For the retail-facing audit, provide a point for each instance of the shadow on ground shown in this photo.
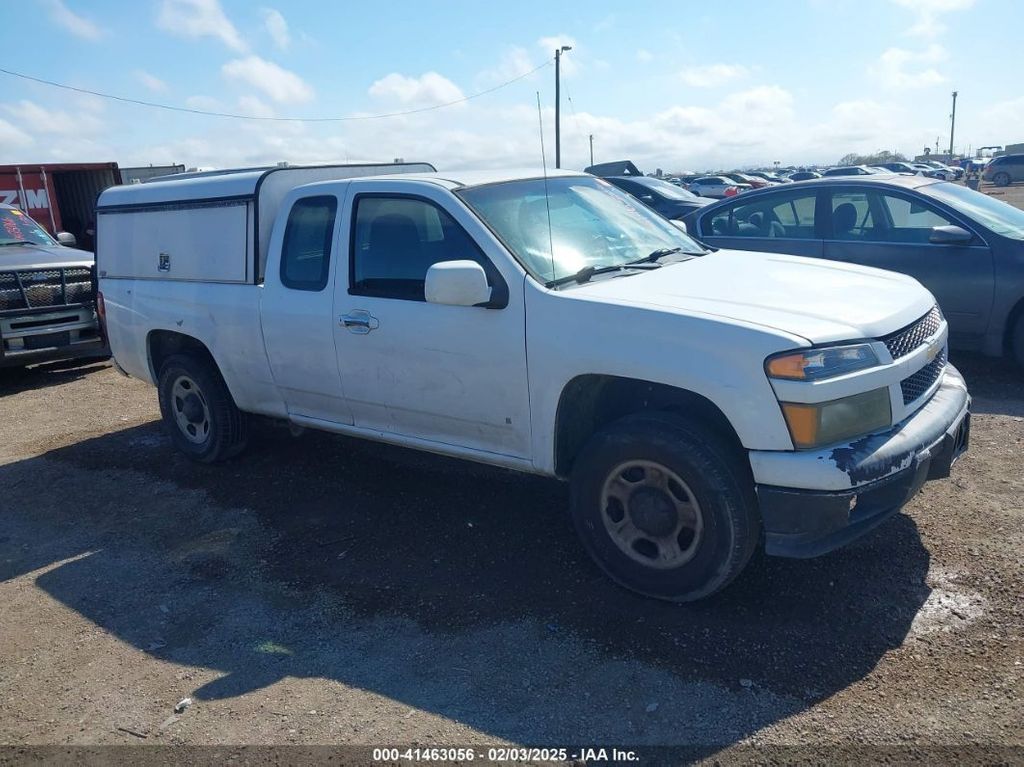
(453, 588)
(45, 374)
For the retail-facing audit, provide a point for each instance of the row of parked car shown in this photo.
(967, 248)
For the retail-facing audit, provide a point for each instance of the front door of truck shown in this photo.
(297, 311)
(446, 374)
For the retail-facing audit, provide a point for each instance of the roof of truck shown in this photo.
(457, 179)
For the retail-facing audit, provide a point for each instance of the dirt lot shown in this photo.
(320, 589)
(323, 590)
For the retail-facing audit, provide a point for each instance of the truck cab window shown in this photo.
(306, 252)
(395, 240)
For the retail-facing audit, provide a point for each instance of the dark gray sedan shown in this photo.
(965, 247)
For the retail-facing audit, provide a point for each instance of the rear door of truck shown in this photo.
(297, 304)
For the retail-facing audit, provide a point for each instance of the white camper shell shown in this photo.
(167, 229)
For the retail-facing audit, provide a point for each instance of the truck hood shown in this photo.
(821, 301)
(41, 257)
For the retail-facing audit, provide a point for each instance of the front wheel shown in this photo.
(665, 507)
(198, 411)
(1001, 179)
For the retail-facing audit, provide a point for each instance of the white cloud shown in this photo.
(766, 103)
(152, 82)
(898, 68)
(199, 18)
(644, 56)
(570, 59)
(1005, 113)
(36, 119)
(276, 82)
(277, 27)
(927, 14)
(254, 107)
(205, 103)
(712, 75)
(12, 137)
(515, 62)
(77, 25)
(427, 90)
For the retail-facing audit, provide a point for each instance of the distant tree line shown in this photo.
(878, 158)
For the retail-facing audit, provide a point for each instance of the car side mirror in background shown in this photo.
(950, 235)
(457, 283)
(680, 225)
(67, 239)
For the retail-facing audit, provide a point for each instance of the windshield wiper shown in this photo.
(587, 272)
(655, 255)
(660, 253)
(17, 242)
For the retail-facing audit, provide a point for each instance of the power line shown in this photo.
(207, 113)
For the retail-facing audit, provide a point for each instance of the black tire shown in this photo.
(715, 476)
(222, 431)
(1001, 179)
(1017, 340)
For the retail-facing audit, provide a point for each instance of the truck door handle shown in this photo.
(359, 321)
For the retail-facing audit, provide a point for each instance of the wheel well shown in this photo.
(590, 402)
(164, 343)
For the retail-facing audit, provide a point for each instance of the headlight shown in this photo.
(823, 423)
(816, 364)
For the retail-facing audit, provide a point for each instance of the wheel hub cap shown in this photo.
(652, 511)
(651, 514)
(191, 413)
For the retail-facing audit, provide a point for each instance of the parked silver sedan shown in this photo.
(717, 187)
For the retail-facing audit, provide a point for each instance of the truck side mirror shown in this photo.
(950, 235)
(457, 283)
(67, 239)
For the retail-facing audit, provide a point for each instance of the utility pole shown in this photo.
(558, 104)
(952, 127)
(591, 148)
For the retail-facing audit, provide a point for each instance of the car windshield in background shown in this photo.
(1001, 217)
(17, 228)
(665, 189)
(592, 224)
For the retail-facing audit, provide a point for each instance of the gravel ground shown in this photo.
(325, 590)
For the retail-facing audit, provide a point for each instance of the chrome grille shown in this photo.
(915, 385)
(41, 288)
(904, 341)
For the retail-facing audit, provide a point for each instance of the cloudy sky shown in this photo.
(680, 85)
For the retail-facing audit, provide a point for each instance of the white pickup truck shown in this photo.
(700, 402)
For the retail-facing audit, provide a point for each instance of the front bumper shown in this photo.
(49, 333)
(875, 475)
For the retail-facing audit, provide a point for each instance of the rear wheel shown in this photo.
(665, 507)
(198, 411)
(1001, 179)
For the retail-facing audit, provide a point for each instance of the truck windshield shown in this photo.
(17, 228)
(568, 223)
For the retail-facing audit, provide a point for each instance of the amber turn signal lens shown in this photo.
(803, 423)
(788, 366)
